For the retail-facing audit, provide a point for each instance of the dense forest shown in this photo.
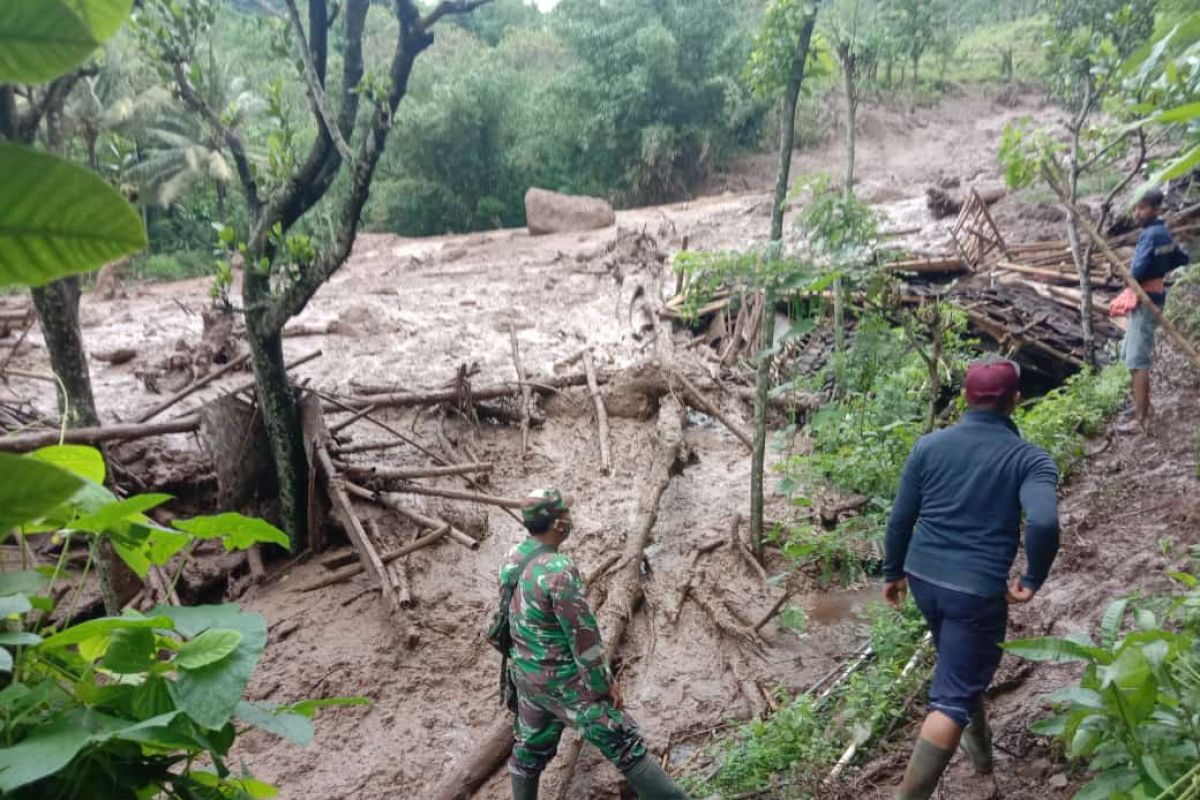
(776, 353)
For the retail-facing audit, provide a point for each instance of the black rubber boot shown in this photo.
(525, 788)
(651, 783)
(925, 769)
(977, 740)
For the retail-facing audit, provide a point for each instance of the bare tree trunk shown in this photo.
(1082, 259)
(787, 141)
(281, 419)
(57, 306)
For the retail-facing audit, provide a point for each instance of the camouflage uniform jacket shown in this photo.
(556, 643)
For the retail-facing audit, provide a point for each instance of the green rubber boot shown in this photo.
(651, 783)
(525, 788)
(925, 769)
(977, 741)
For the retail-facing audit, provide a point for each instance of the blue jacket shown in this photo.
(1156, 255)
(962, 491)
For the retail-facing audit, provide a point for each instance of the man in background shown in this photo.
(1155, 256)
(953, 534)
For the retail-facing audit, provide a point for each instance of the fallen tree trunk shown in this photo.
(457, 494)
(625, 592)
(698, 401)
(451, 395)
(99, 435)
(403, 474)
(393, 502)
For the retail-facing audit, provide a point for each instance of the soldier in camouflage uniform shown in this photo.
(557, 662)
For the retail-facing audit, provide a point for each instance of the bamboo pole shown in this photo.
(99, 435)
(526, 394)
(346, 574)
(408, 474)
(601, 413)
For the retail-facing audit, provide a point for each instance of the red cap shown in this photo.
(992, 382)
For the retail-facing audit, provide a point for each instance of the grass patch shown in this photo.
(175, 266)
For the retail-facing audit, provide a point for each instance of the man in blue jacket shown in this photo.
(1154, 257)
(952, 537)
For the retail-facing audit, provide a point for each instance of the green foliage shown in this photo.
(175, 266)
(798, 744)
(123, 707)
(776, 44)
(57, 219)
(43, 39)
(1134, 717)
(1004, 52)
(1060, 421)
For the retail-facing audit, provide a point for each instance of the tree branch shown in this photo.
(450, 7)
(233, 139)
(314, 79)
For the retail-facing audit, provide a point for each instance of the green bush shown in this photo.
(1134, 718)
(1062, 419)
(173, 266)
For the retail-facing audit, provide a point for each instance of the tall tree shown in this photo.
(779, 61)
(284, 268)
(1089, 38)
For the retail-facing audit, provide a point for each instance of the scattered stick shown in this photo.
(526, 393)
(432, 455)
(99, 435)
(346, 423)
(194, 387)
(342, 509)
(602, 570)
(365, 448)
(404, 474)
(45, 377)
(601, 413)
(770, 615)
(455, 494)
(254, 558)
(397, 568)
(393, 502)
(346, 574)
(691, 577)
(699, 402)
(340, 559)
(720, 617)
(250, 385)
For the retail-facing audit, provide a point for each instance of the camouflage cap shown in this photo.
(539, 509)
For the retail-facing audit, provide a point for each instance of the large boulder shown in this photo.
(551, 212)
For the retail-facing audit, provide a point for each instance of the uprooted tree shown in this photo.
(284, 267)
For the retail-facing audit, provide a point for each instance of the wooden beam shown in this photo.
(103, 434)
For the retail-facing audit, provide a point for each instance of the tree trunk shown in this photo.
(281, 419)
(58, 312)
(1081, 259)
(787, 141)
(57, 306)
(762, 390)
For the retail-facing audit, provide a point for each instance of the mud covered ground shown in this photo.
(410, 313)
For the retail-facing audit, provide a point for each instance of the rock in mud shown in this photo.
(551, 212)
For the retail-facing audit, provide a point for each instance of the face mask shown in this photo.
(566, 526)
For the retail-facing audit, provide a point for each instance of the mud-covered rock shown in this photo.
(551, 212)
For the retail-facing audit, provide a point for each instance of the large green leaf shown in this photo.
(308, 708)
(209, 647)
(1181, 165)
(51, 747)
(1110, 784)
(1055, 649)
(41, 40)
(103, 627)
(235, 531)
(102, 17)
(1080, 697)
(130, 651)
(14, 604)
(210, 694)
(30, 489)
(58, 219)
(29, 581)
(20, 639)
(294, 727)
(1110, 624)
(124, 511)
(86, 462)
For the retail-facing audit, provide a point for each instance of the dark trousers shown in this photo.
(967, 632)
